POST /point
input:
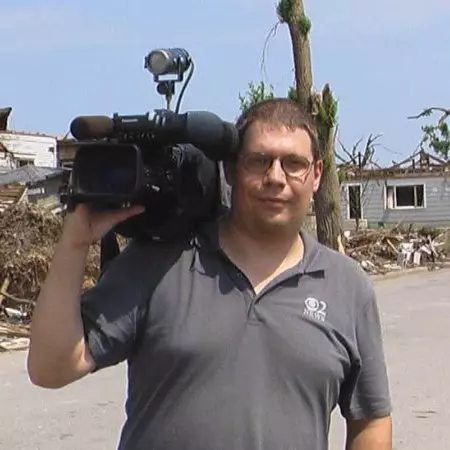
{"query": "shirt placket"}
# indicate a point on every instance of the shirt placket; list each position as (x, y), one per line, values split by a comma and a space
(244, 286)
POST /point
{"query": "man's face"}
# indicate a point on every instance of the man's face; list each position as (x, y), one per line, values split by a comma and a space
(275, 177)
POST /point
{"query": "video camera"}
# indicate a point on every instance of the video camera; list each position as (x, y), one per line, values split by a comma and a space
(166, 160)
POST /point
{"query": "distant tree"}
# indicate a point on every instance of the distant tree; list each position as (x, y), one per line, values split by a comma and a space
(255, 94)
(436, 137)
(358, 164)
(355, 156)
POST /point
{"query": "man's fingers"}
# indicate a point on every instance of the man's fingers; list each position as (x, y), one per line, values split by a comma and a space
(123, 214)
(134, 210)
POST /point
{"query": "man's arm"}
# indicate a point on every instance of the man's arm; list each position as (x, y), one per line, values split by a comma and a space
(58, 354)
(365, 397)
(369, 434)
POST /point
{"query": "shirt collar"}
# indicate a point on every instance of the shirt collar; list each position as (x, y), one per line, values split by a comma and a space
(313, 258)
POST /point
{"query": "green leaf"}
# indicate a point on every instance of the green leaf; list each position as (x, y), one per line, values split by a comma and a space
(255, 94)
(285, 9)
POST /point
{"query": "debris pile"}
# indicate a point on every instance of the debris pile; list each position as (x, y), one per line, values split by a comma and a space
(385, 250)
(28, 237)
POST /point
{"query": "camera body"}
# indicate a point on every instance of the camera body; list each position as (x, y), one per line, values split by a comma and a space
(166, 161)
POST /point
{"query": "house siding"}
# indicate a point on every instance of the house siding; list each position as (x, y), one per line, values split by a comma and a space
(40, 149)
(435, 213)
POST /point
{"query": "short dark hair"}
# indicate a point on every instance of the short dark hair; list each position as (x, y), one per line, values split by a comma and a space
(282, 112)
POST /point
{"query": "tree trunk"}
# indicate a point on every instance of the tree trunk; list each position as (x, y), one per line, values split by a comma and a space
(327, 199)
(301, 55)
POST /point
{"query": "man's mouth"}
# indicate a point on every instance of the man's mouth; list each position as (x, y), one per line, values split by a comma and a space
(273, 200)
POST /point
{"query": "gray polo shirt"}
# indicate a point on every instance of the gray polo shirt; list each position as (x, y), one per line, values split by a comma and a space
(212, 365)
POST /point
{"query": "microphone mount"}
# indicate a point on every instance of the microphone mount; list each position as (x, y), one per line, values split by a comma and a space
(172, 61)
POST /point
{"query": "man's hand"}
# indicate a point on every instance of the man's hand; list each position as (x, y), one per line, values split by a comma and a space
(83, 226)
(370, 434)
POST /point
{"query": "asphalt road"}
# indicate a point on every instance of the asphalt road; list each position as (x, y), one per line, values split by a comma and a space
(416, 318)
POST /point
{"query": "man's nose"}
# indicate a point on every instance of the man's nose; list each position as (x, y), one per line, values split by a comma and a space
(275, 173)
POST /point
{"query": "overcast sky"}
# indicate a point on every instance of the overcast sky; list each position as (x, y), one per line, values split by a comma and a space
(385, 60)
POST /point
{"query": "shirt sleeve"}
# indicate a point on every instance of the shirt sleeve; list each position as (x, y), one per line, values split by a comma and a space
(113, 310)
(365, 393)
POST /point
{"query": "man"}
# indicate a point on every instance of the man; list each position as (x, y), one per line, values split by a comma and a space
(245, 338)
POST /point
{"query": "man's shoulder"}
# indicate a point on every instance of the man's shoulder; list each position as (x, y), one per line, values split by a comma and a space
(337, 259)
(156, 246)
(139, 254)
(342, 268)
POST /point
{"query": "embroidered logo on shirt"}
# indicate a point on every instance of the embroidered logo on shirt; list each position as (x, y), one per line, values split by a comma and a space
(315, 309)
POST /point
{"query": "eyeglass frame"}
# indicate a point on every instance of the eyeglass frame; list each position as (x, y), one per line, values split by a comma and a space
(272, 159)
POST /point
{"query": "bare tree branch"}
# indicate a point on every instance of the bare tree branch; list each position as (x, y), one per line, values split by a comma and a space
(340, 158)
(272, 33)
(350, 155)
(436, 137)
(428, 111)
(361, 158)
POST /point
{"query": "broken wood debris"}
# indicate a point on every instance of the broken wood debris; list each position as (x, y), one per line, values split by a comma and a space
(383, 250)
(28, 237)
(13, 336)
(14, 321)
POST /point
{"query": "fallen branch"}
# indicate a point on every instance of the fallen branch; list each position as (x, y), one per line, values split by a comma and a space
(22, 301)
(4, 288)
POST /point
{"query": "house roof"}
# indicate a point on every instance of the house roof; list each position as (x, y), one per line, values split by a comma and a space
(29, 174)
(26, 133)
(419, 163)
(4, 129)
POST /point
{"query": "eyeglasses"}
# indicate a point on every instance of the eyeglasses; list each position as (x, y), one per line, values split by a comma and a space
(294, 166)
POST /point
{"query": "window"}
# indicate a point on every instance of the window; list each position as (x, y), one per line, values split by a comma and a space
(354, 202)
(24, 162)
(405, 197)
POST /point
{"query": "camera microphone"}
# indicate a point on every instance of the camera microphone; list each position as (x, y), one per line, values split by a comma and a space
(92, 127)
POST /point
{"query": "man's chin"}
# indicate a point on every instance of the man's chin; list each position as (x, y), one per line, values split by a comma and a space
(275, 222)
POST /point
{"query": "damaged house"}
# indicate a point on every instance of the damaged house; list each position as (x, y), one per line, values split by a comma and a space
(28, 167)
(415, 191)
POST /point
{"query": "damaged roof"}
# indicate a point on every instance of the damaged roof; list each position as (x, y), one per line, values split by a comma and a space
(29, 174)
(419, 163)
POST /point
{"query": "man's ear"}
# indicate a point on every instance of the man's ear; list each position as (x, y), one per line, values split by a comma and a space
(317, 172)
